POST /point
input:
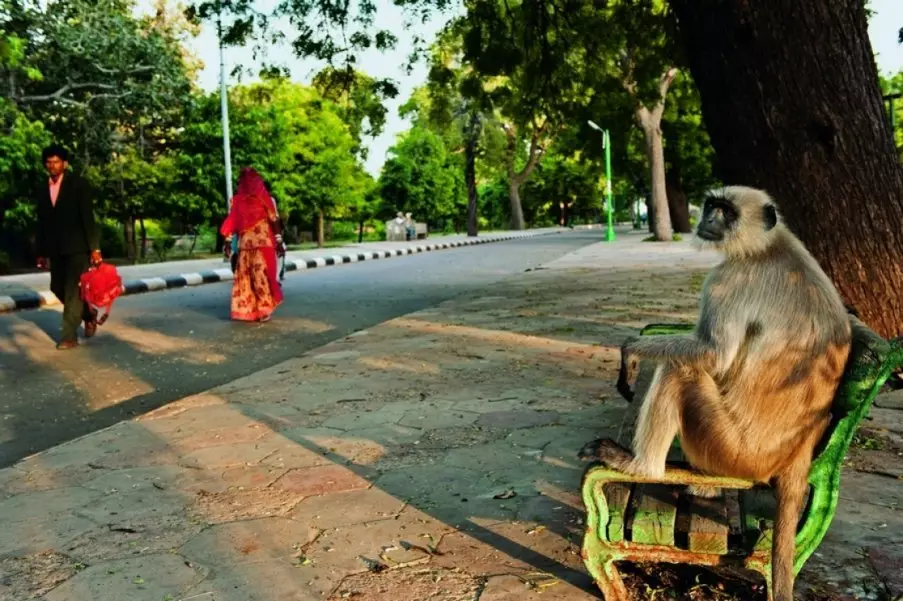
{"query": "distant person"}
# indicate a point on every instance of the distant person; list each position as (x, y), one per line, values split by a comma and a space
(255, 289)
(409, 227)
(67, 240)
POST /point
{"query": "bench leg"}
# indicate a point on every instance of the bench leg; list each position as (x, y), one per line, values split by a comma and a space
(765, 571)
(605, 573)
(609, 581)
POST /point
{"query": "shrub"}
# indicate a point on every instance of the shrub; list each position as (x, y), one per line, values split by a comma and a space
(112, 240)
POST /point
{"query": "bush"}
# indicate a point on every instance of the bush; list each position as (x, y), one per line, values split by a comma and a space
(206, 240)
(112, 240)
(344, 230)
(5, 263)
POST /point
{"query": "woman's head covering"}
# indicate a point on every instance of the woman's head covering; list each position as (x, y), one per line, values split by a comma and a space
(250, 204)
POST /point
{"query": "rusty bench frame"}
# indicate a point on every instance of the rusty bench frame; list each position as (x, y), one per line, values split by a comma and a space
(872, 360)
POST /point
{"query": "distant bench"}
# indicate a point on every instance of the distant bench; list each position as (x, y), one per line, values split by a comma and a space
(395, 232)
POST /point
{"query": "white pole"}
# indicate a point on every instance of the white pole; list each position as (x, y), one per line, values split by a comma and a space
(224, 103)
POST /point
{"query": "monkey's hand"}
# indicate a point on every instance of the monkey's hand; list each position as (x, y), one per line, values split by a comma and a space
(628, 370)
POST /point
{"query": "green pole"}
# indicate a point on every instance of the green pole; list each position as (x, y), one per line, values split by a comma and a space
(610, 232)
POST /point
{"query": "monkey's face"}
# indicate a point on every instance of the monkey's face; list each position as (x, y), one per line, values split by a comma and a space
(737, 221)
(719, 218)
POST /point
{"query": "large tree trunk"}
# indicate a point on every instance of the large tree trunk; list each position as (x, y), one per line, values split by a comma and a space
(321, 227)
(655, 155)
(470, 173)
(678, 204)
(791, 102)
(473, 199)
(517, 210)
(143, 251)
(131, 245)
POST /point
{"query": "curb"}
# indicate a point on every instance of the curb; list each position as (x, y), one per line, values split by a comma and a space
(34, 300)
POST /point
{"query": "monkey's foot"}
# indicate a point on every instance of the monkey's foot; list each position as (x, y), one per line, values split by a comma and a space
(705, 492)
(607, 451)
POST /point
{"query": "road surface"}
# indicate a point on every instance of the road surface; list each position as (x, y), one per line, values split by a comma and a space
(162, 346)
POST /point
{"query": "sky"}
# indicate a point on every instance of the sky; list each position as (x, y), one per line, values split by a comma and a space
(883, 31)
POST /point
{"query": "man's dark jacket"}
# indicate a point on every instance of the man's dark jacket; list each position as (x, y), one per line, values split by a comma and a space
(69, 227)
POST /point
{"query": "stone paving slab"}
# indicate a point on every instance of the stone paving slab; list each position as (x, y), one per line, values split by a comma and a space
(432, 457)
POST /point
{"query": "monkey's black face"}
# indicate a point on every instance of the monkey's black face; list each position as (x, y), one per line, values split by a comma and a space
(719, 215)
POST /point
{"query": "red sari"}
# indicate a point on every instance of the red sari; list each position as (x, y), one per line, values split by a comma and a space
(255, 290)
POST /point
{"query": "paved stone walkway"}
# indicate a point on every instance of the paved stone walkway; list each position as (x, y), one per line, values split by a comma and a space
(430, 458)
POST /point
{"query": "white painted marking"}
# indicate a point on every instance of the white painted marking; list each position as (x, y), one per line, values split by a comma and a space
(193, 279)
(154, 283)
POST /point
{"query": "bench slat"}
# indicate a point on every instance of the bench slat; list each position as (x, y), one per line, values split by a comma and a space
(734, 517)
(654, 514)
(708, 525)
(617, 496)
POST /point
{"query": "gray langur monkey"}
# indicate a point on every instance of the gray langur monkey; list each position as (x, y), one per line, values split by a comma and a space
(749, 392)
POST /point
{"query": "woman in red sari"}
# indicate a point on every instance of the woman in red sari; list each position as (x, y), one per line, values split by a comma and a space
(255, 290)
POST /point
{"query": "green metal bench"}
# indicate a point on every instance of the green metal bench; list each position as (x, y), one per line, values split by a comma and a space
(655, 520)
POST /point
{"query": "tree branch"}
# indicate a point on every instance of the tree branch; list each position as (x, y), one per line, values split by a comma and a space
(664, 83)
(69, 87)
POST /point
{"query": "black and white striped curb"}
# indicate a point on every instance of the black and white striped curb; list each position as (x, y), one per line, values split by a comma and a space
(32, 300)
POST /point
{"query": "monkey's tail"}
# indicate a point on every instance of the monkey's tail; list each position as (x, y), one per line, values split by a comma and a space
(790, 490)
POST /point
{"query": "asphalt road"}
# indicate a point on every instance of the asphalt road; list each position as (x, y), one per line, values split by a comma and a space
(162, 346)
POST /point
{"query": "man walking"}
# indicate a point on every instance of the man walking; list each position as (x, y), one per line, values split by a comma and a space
(67, 238)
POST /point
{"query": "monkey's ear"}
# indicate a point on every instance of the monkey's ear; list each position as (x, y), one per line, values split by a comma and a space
(769, 216)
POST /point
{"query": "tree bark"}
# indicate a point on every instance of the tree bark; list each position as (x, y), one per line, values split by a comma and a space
(360, 231)
(143, 251)
(321, 227)
(678, 204)
(474, 127)
(792, 105)
(470, 179)
(131, 246)
(517, 209)
(517, 179)
(655, 154)
(650, 121)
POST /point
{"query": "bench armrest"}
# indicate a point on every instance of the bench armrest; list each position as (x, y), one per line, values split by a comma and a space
(608, 450)
(663, 329)
(673, 476)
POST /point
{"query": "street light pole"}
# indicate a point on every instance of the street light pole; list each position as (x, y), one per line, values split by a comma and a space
(609, 205)
(224, 107)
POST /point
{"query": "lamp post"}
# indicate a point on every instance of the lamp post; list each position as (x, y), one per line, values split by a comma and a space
(609, 205)
(224, 108)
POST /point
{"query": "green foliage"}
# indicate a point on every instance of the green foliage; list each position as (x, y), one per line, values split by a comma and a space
(21, 141)
(112, 242)
(360, 101)
(422, 178)
(894, 85)
(92, 72)
(296, 140)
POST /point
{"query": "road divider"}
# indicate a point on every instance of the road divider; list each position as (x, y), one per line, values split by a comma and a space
(20, 301)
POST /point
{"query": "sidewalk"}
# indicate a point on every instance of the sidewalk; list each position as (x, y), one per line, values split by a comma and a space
(429, 458)
(30, 291)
